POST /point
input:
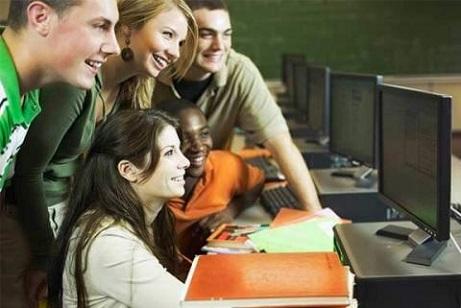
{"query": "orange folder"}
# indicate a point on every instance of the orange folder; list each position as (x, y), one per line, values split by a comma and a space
(256, 280)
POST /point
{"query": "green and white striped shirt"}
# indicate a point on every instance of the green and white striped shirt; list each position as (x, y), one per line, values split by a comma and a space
(15, 118)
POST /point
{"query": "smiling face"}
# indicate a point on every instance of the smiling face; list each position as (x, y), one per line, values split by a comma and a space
(157, 43)
(81, 40)
(196, 140)
(215, 40)
(167, 180)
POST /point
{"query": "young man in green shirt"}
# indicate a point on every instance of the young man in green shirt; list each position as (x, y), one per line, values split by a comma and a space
(231, 92)
(45, 41)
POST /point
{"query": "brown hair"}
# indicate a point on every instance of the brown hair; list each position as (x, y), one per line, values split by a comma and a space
(100, 192)
(17, 16)
(207, 4)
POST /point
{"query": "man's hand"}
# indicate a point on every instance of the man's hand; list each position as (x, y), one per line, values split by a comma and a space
(215, 220)
(36, 287)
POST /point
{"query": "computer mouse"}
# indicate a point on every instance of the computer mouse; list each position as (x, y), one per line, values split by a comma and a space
(364, 182)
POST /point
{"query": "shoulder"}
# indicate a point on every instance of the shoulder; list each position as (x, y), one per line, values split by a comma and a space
(221, 156)
(58, 94)
(240, 63)
(226, 162)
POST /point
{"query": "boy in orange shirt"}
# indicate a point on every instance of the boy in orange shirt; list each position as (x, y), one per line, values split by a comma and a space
(219, 184)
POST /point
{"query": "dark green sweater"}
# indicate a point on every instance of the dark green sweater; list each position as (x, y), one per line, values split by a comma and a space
(49, 158)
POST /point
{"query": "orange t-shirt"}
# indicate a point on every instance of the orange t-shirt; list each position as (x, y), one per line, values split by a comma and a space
(225, 176)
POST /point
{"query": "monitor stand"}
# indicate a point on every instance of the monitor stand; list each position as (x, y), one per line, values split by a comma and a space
(426, 249)
(363, 176)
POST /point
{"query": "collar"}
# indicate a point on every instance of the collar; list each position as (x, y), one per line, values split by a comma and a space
(10, 81)
(219, 79)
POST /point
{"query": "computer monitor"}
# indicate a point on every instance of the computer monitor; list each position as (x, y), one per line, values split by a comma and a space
(288, 61)
(318, 99)
(414, 138)
(300, 89)
(353, 105)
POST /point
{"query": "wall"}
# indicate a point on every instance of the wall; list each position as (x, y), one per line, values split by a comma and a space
(368, 36)
(445, 84)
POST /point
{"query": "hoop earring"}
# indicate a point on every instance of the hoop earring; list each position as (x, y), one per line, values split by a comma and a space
(127, 53)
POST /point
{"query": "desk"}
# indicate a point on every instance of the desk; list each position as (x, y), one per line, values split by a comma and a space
(384, 280)
(348, 201)
(315, 155)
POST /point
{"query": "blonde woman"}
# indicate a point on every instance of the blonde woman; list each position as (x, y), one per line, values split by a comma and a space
(152, 34)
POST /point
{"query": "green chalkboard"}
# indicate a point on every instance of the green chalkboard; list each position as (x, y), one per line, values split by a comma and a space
(373, 36)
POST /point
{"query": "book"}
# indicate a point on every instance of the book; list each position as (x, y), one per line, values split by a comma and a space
(233, 236)
(267, 280)
(287, 216)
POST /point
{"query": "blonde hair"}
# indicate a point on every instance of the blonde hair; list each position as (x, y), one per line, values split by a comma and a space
(137, 91)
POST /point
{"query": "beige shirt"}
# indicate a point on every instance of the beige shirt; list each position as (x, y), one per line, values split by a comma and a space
(236, 97)
(121, 272)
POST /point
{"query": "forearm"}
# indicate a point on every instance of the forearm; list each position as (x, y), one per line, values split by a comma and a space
(33, 216)
(292, 165)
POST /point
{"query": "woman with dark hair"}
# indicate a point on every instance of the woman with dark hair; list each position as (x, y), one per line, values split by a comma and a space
(116, 245)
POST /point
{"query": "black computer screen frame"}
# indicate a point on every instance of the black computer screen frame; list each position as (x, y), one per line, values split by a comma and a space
(300, 88)
(377, 80)
(441, 231)
(288, 61)
(324, 131)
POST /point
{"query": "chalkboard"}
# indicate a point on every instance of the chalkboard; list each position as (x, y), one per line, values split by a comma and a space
(373, 36)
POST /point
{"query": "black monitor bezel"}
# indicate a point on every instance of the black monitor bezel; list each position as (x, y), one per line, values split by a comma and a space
(287, 58)
(442, 231)
(289, 63)
(303, 67)
(325, 71)
(378, 80)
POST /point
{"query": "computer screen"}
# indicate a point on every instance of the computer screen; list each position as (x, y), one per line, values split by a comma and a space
(415, 156)
(318, 99)
(353, 105)
(288, 61)
(300, 88)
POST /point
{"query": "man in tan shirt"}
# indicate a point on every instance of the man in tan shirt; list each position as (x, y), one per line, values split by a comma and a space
(231, 92)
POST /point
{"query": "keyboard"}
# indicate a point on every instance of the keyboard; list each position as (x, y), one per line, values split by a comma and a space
(275, 198)
(455, 211)
(271, 172)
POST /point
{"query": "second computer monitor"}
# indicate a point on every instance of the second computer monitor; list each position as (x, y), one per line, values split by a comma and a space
(318, 99)
(353, 105)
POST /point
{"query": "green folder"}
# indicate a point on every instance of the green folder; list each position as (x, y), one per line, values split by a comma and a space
(315, 234)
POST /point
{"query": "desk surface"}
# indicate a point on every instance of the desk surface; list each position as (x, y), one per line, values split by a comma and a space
(257, 214)
(327, 184)
(309, 147)
(377, 257)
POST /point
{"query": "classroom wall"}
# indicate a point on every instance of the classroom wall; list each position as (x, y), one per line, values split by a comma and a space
(388, 37)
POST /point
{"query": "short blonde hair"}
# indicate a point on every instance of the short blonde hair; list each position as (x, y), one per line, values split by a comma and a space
(137, 91)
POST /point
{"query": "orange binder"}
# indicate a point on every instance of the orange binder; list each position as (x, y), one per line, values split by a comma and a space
(259, 280)
(287, 216)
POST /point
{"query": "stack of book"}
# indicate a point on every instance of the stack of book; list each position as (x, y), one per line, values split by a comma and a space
(232, 239)
(268, 280)
(291, 231)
